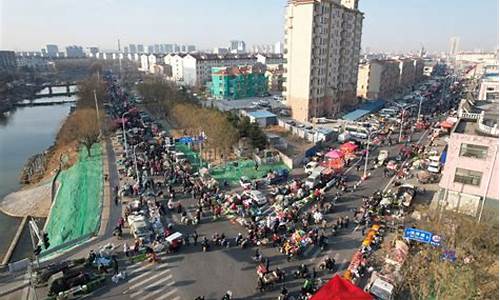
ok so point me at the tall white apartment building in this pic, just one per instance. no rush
(322, 46)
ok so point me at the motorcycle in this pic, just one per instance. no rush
(228, 296)
(327, 264)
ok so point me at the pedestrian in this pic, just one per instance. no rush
(195, 237)
(115, 265)
(358, 166)
(125, 249)
(314, 274)
(363, 230)
(267, 263)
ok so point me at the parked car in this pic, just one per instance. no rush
(256, 196)
(310, 166)
(245, 182)
(382, 157)
(434, 164)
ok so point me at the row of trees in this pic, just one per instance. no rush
(88, 121)
(474, 273)
(247, 129)
(223, 129)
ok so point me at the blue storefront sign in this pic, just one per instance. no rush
(422, 236)
(186, 139)
(417, 235)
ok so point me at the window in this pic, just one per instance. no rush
(468, 177)
(474, 151)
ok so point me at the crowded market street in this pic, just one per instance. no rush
(187, 271)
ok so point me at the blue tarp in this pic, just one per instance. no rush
(364, 109)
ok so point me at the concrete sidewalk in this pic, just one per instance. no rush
(13, 284)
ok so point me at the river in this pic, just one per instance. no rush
(23, 133)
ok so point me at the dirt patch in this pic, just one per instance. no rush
(295, 145)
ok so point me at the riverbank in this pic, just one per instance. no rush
(23, 133)
(34, 201)
(78, 203)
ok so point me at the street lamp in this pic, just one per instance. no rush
(97, 112)
(419, 107)
(135, 164)
(367, 151)
(124, 133)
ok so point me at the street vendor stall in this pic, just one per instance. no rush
(335, 154)
(348, 147)
(335, 164)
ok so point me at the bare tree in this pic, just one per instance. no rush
(83, 127)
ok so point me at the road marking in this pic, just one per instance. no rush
(135, 269)
(145, 273)
(132, 287)
(167, 294)
(159, 290)
(143, 290)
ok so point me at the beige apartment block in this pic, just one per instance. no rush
(321, 55)
(378, 79)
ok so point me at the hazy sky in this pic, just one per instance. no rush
(389, 24)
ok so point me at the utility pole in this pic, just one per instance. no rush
(135, 163)
(366, 157)
(125, 133)
(419, 108)
(487, 185)
(119, 60)
(97, 112)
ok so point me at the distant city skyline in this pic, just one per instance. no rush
(389, 25)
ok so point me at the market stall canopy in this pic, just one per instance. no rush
(335, 154)
(340, 289)
(348, 147)
(335, 164)
(446, 125)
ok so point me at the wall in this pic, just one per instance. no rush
(482, 165)
(298, 59)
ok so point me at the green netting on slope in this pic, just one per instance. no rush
(232, 171)
(77, 207)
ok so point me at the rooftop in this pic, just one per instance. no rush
(470, 127)
(259, 114)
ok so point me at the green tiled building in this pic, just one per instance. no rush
(238, 82)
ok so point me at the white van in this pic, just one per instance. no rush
(315, 178)
(434, 164)
(179, 156)
(310, 166)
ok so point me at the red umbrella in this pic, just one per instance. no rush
(340, 289)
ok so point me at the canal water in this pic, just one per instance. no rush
(24, 132)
